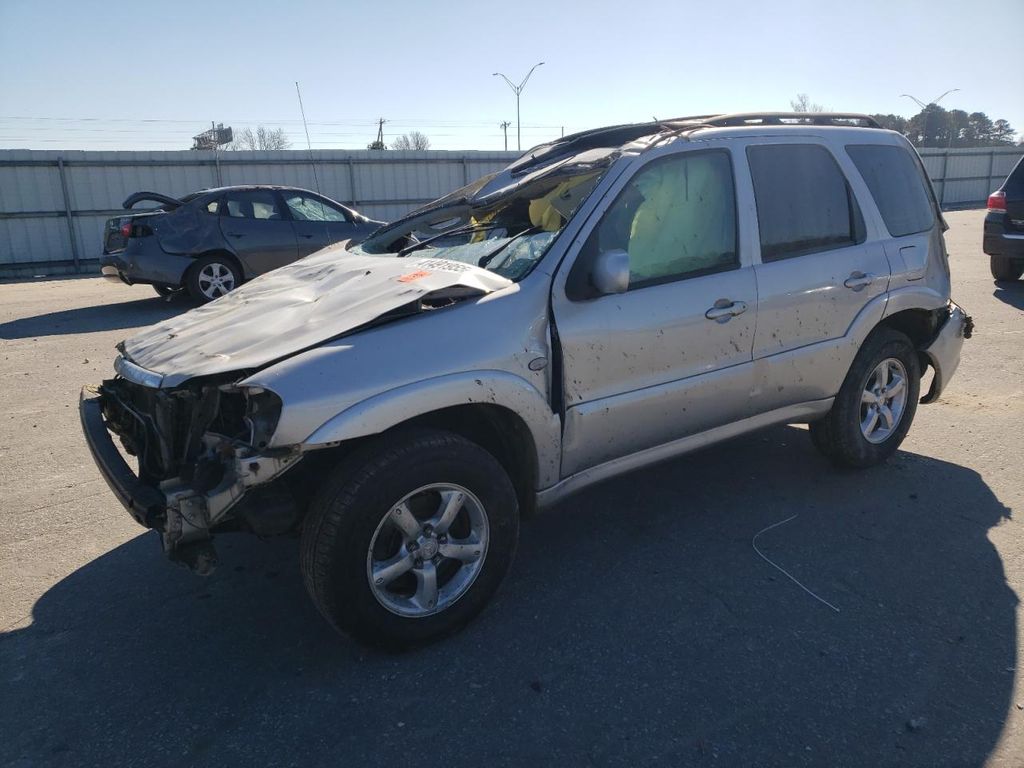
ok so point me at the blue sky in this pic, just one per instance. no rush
(149, 75)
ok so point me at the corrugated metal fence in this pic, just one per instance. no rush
(53, 204)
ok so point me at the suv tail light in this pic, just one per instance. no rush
(997, 201)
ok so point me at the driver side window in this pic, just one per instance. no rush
(676, 218)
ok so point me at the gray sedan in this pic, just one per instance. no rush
(214, 240)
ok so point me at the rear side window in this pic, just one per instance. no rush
(1014, 184)
(804, 204)
(253, 204)
(894, 180)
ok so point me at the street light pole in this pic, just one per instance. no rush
(518, 89)
(934, 101)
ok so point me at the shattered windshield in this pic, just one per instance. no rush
(507, 231)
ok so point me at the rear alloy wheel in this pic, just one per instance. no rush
(1005, 268)
(410, 538)
(212, 277)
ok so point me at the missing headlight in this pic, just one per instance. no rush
(262, 412)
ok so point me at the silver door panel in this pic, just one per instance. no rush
(601, 430)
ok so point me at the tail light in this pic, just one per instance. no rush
(126, 229)
(997, 201)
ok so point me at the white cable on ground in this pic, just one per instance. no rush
(783, 571)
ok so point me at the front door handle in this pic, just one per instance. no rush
(859, 281)
(724, 310)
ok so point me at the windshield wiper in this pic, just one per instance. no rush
(457, 231)
(488, 257)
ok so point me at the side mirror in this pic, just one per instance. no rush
(610, 273)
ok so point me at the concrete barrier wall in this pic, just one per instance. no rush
(53, 204)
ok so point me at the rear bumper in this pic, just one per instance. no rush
(143, 261)
(944, 351)
(146, 504)
(998, 241)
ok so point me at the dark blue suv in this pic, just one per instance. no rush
(1004, 227)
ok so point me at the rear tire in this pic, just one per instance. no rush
(369, 575)
(1005, 268)
(163, 291)
(211, 277)
(872, 414)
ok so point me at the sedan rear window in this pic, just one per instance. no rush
(895, 182)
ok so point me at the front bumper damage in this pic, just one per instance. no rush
(943, 353)
(204, 493)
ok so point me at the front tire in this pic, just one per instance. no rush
(1005, 268)
(875, 405)
(410, 538)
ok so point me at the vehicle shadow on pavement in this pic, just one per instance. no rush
(104, 317)
(638, 625)
(1010, 293)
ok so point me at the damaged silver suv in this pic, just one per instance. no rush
(611, 299)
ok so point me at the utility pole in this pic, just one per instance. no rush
(504, 127)
(378, 143)
(518, 89)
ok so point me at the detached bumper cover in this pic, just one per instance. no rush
(944, 351)
(144, 503)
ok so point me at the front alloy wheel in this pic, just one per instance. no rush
(428, 550)
(214, 280)
(211, 277)
(409, 538)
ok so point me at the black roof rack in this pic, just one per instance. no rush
(850, 119)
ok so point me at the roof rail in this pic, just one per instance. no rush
(853, 119)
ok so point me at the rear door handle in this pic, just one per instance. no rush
(308, 237)
(236, 234)
(724, 310)
(858, 281)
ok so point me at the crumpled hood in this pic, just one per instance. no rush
(297, 307)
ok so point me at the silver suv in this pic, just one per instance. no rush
(609, 300)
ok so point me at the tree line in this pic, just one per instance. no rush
(934, 126)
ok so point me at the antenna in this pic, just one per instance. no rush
(309, 147)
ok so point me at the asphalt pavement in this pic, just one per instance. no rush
(638, 626)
